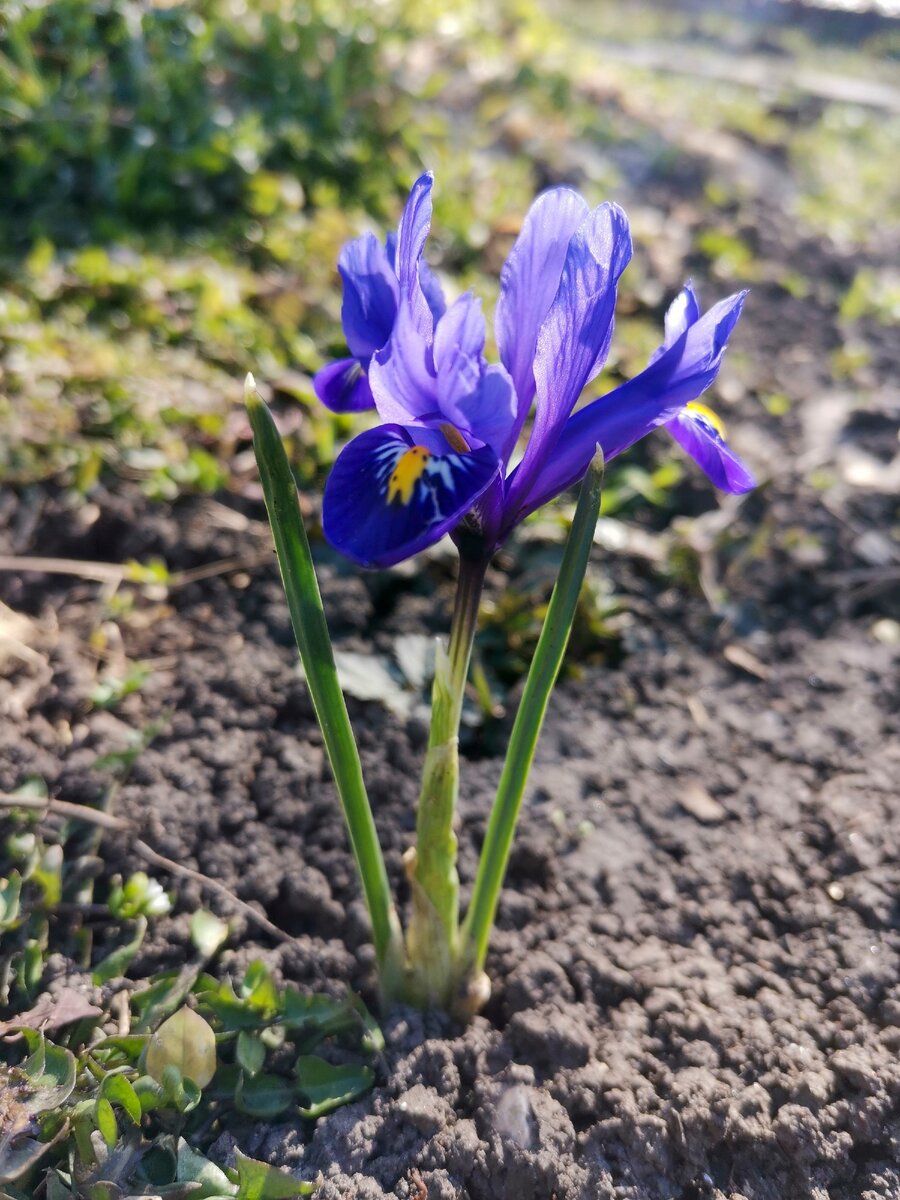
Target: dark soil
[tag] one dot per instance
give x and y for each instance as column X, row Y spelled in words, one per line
column 695, row 970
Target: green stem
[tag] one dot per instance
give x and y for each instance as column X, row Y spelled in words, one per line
column 542, row 675
column 431, row 867
column 311, row 632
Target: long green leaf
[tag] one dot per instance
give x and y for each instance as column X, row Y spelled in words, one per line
column 317, row 656
column 542, row 676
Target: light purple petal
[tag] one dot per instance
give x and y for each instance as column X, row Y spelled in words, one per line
column 388, row 496
column 343, row 386
column 411, row 236
column 431, row 285
column 529, row 282
column 626, row 414
column 460, row 332
column 401, row 374
column 370, row 295
column 574, row 339
column 478, row 400
column 699, row 438
column 487, row 413
column 432, row 291
column 683, row 312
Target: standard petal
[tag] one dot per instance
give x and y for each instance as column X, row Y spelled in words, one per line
column 683, row 312
column 478, row 400
column 623, row 416
column 388, row 496
column 370, row 295
column 411, row 236
column 401, row 375
column 574, row 339
column 343, row 386
column 700, row 434
column 529, row 282
column 486, row 414
column 431, row 285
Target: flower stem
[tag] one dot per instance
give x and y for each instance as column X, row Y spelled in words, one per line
column 313, row 641
column 542, row 676
column 431, row 867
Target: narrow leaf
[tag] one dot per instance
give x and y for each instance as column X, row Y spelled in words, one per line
column 314, row 643
column 263, row 1096
column 260, row 1181
column 250, row 1052
column 118, row 1090
column 115, row 964
column 327, row 1087
column 542, row 676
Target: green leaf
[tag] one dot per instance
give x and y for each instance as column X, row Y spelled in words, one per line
column 51, row 1072
column 192, row 1167
column 130, row 1045
column 16, row 1158
column 317, row 656
column 250, row 1052
column 208, row 933
column 327, row 1087
column 118, row 1090
column 263, row 1096
column 32, row 969
column 309, row 1019
column 233, row 1012
column 372, row 1036
column 260, row 1181
column 56, row 1187
column 149, row 1093
column 184, row 1041
column 10, row 891
column 178, row 1091
column 259, row 989
column 164, row 995
column 542, row 675
column 105, row 1120
column 115, row 964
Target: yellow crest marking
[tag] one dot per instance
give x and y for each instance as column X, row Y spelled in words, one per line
column 406, row 474
column 708, row 415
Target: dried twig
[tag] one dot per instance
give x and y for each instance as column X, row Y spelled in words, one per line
column 80, row 812
column 116, row 573
column 167, row 864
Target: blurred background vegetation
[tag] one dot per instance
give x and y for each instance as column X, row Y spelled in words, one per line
column 178, row 179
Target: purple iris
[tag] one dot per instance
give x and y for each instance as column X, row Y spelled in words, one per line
column 441, row 461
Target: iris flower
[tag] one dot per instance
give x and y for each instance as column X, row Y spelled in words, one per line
column 442, row 459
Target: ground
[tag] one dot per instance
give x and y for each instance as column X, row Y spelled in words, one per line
column 695, row 967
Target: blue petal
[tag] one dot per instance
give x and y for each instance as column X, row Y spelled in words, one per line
column 478, row 400
column 431, row 286
column 699, row 437
column 343, row 386
column 370, row 295
column 388, row 496
column 623, row 416
column 486, row 414
column 402, row 375
column 574, row 339
column 411, row 235
column 529, row 282
column 683, row 312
